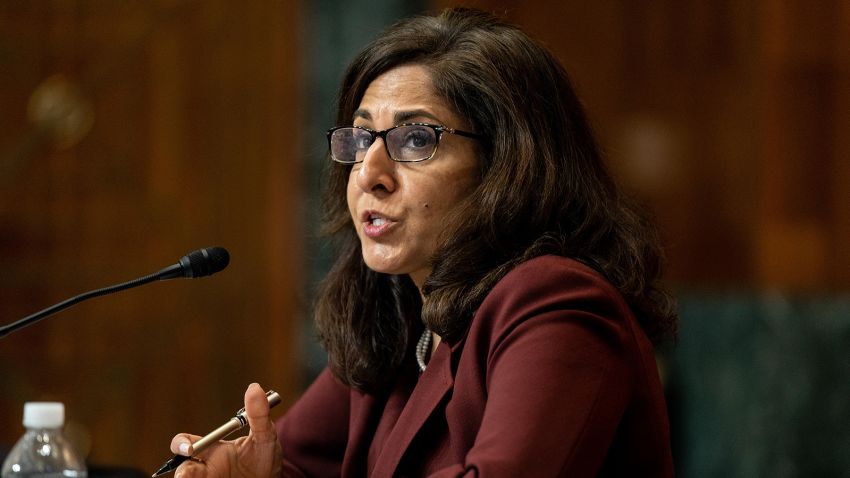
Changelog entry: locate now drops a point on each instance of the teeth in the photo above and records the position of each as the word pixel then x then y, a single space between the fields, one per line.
pixel 378 221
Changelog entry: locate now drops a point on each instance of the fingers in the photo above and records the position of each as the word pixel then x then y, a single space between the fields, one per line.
pixel 257 411
pixel 260 447
pixel 191 469
pixel 181 444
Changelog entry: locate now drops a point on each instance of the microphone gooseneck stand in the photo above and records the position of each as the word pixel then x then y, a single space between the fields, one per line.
pixel 202 262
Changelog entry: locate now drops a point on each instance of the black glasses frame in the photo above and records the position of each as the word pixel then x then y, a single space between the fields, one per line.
pixel 438 131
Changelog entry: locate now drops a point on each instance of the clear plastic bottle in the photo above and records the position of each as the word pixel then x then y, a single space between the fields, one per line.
pixel 43 451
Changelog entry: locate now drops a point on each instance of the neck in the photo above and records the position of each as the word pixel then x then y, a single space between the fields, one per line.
pixel 435 341
pixel 418 278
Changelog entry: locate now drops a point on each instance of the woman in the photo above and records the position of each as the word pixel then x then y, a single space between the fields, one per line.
pixel 495 299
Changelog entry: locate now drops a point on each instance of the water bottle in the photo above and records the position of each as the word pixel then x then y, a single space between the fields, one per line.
pixel 43 451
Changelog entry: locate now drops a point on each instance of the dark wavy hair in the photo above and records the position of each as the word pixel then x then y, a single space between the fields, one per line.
pixel 544 189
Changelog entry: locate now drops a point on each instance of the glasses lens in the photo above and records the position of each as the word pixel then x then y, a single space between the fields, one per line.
pixel 349 145
pixel 411 142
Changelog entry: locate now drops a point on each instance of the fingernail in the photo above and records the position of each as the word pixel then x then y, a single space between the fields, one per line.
pixel 184 448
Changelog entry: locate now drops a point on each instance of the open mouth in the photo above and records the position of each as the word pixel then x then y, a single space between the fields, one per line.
pixel 376 224
pixel 377 220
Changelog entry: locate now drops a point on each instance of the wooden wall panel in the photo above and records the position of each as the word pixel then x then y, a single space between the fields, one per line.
pixel 195 106
pixel 727 119
pixel 804 78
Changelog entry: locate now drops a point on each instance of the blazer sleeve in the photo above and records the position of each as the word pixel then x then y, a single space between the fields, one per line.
pixel 314 432
pixel 558 347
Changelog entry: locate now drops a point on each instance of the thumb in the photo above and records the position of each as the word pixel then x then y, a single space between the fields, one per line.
pixel 257 410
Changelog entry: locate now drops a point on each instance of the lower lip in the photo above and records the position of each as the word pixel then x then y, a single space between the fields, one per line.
pixel 372 231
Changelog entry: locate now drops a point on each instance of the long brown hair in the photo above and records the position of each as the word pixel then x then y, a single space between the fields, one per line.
pixel 544 190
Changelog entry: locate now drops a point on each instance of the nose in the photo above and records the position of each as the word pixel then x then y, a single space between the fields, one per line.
pixel 376 173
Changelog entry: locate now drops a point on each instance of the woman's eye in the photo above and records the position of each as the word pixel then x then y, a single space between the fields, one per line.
pixel 363 142
pixel 417 139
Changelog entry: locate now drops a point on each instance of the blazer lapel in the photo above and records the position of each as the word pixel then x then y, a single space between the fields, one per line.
pixel 434 383
pixel 365 412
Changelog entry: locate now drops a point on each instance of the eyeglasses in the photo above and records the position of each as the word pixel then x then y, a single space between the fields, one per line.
pixel 407 143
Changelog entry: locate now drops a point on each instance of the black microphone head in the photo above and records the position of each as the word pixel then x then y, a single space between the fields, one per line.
pixel 204 262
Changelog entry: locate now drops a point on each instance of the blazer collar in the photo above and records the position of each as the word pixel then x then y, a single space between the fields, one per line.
pixel 434 384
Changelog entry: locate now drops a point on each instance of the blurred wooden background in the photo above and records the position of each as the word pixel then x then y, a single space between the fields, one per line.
pixel 195 142
pixel 728 119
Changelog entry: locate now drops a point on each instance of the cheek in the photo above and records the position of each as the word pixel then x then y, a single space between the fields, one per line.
pixel 350 196
pixel 450 191
pixel 437 200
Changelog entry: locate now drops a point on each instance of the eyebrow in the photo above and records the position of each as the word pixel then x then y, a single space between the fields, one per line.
pixel 399 117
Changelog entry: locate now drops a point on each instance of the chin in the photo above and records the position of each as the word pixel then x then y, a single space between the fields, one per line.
pixel 385 266
pixel 379 265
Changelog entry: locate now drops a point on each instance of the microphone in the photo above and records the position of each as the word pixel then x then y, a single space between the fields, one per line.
pixel 200 263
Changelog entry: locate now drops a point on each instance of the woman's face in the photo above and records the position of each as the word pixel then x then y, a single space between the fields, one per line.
pixel 399 209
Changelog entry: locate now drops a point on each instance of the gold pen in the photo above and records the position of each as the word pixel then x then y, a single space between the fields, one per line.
pixel 237 422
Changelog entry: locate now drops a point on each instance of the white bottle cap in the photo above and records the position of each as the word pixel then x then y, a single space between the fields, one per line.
pixel 44 414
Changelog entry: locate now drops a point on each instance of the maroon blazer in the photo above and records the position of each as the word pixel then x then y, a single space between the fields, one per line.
pixel 553 378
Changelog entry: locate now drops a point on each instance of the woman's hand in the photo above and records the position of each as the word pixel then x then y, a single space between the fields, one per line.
pixel 257 455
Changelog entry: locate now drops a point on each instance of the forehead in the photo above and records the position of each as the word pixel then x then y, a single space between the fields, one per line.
pixel 400 94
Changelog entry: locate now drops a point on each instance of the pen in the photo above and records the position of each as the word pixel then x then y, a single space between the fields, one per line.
pixel 237 422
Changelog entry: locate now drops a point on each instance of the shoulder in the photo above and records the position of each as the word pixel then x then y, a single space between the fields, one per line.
pixel 554 289
pixel 557 277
